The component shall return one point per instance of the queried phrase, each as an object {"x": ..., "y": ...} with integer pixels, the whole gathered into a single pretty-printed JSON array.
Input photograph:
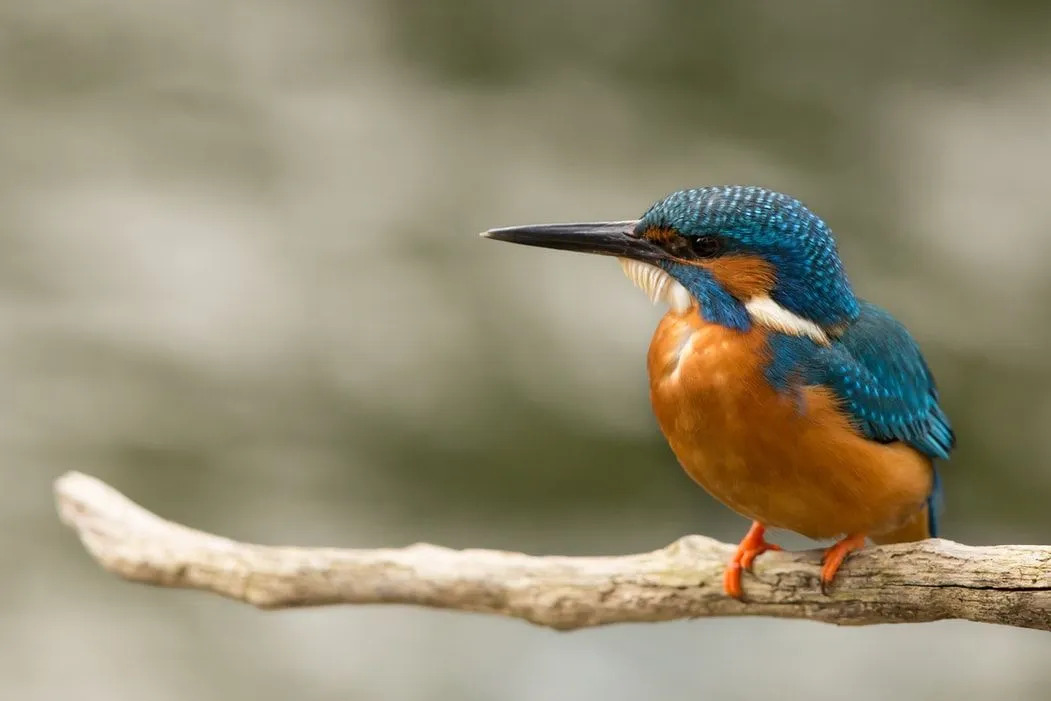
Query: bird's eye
[{"x": 706, "y": 246}]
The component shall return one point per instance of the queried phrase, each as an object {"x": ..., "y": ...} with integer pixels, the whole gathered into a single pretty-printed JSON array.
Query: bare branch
[{"x": 928, "y": 581}]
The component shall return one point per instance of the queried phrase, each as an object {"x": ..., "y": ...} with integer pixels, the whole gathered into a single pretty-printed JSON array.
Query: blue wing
[{"x": 877, "y": 371}]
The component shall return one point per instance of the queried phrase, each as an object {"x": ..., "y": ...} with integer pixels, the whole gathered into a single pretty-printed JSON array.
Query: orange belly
[{"x": 792, "y": 462}]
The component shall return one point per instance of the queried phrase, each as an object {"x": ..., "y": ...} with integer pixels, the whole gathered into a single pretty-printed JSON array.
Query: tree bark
[{"x": 909, "y": 583}]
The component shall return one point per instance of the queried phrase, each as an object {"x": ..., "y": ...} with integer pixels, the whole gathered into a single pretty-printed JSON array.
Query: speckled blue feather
[
  {"x": 811, "y": 281},
  {"x": 879, "y": 374}
]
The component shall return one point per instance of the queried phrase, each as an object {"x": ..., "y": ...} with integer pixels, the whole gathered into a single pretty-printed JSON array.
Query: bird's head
[{"x": 744, "y": 255}]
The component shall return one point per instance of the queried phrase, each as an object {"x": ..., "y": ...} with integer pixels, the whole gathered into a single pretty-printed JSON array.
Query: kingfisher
[{"x": 792, "y": 401}]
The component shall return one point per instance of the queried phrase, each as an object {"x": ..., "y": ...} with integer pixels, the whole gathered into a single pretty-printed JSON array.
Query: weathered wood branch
[{"x": 928, "y": 581}]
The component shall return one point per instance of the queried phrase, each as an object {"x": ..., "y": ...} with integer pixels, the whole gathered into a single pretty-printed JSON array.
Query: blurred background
[{"x": 242, "y": 283}]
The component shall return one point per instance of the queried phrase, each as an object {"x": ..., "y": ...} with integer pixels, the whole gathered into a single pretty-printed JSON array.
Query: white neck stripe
[{"x": 767, "y": 312}]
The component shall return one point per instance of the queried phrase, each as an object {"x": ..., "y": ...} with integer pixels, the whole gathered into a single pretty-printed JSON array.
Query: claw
[
  {"x": 752, "y": 545},
  {"x": 835, "y": 556}
]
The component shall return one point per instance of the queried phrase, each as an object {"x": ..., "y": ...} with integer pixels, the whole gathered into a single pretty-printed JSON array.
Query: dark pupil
[{"x": 705, "y": 246}]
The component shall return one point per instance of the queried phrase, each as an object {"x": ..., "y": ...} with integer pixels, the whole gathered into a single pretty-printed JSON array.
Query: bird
[{"x": 788, "y": 398}]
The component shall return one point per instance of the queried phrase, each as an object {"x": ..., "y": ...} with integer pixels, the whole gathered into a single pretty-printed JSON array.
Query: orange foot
[
  {"x": 753, "y": 545},
  {"x": 835, "y": 555}
]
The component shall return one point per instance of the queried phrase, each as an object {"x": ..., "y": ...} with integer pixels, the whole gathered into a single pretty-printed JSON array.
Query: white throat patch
[{"x": 659, "y": 286}]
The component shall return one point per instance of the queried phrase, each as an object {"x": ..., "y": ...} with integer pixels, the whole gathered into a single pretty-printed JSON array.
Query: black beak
[{"x": 613, "y": 238}]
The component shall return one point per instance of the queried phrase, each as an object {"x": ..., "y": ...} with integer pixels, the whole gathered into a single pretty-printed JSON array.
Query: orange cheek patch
[{"x": 743, "y": 276}]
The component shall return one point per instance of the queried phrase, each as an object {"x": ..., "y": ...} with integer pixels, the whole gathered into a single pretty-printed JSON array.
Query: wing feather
[{"x": 877, "y": 371}]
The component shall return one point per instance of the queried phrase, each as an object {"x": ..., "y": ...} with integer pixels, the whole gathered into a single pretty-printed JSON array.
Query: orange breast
[{"x": 787, "y": 461}]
